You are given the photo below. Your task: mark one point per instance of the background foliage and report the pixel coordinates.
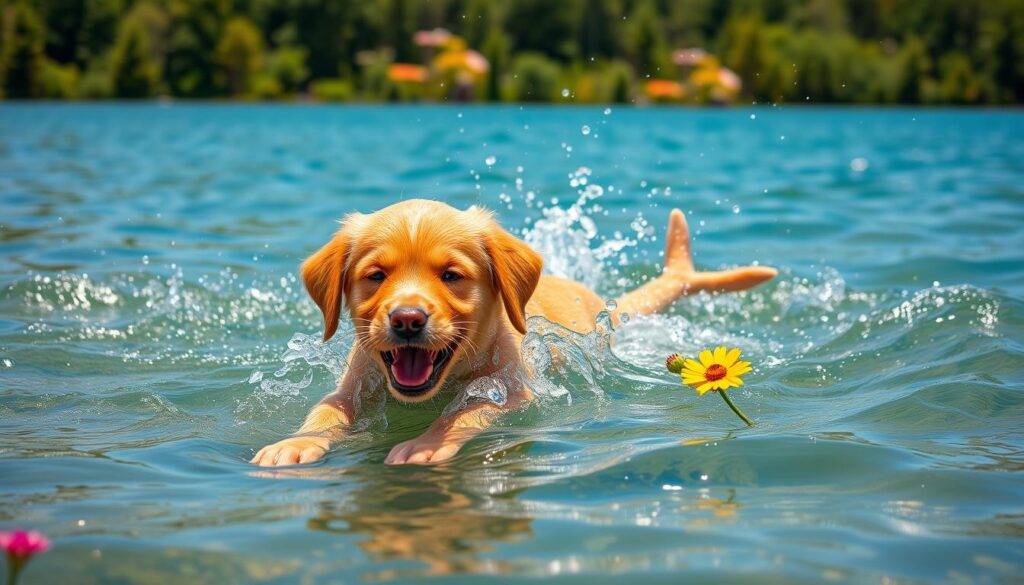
(863, 51)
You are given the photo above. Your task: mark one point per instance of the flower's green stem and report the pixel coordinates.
(738, 412)
(12, 570)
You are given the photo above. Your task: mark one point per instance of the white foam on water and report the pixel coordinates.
(167, 318)
(289, 383)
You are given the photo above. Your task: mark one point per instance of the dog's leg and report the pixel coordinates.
(447, 435)
(325, 423)
(679, 278)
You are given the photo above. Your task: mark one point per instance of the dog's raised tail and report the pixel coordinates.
(679, 278)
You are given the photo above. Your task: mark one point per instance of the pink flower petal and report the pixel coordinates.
(23, 544)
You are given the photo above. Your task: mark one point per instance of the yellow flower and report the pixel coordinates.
(715, 371)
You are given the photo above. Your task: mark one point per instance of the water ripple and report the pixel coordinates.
(153, 332)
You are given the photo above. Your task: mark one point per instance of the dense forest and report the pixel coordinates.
(822, 51)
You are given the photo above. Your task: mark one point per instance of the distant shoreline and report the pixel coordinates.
(506, 105)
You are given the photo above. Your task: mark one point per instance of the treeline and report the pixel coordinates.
(857, 51)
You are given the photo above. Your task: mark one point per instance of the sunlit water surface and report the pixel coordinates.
(153, 334)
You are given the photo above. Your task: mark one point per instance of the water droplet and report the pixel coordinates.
(607, 111)
(565, 92)
(753, 116)
(585, 130)
(859, 165)
(624, 317)
(491, 160)
(611, 305)
(496, 396)
(735, 208)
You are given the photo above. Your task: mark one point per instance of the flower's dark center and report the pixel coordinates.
(715, 372)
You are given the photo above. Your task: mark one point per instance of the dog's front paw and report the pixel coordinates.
(423, 450)
(292, 451)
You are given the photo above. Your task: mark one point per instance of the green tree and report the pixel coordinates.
(63, 20)
(481, 18)
(95, 82)
(191, 69)
(482, 29)
(776, 79)
(98, 29)
(288, 66)
(133, 72)
(618, 82)
(495, 49)
(910, 51)
(374, 80)
(916, 68)
(689, 23)
(882, 77)
(59, 81)
(1002, 54)
(743, 48)
(959, 83)
(544, 27)
(331, 31)
(21, 51)
(646, 41)
(813, 66)
(79, 30)
(240, 53)
(534, 78)
(400, 29)
(825, 16)
(331, 90)
(600, 29)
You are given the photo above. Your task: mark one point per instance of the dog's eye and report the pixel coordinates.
(450, 276)
(377, 276)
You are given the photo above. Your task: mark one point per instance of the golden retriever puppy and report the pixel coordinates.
(431, 289)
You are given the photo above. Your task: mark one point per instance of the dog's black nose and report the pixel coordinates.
(407, 322)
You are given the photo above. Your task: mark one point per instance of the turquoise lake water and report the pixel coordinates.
(153, 335)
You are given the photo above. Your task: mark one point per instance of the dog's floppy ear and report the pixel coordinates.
(324, 275)
(516, 271)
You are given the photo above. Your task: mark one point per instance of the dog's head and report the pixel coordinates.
(425, 285)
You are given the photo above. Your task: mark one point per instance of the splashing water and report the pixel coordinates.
(565, 237)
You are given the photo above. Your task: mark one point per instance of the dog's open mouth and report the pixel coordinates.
(415, 370)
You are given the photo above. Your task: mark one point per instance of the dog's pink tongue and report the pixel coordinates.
(412, 366)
